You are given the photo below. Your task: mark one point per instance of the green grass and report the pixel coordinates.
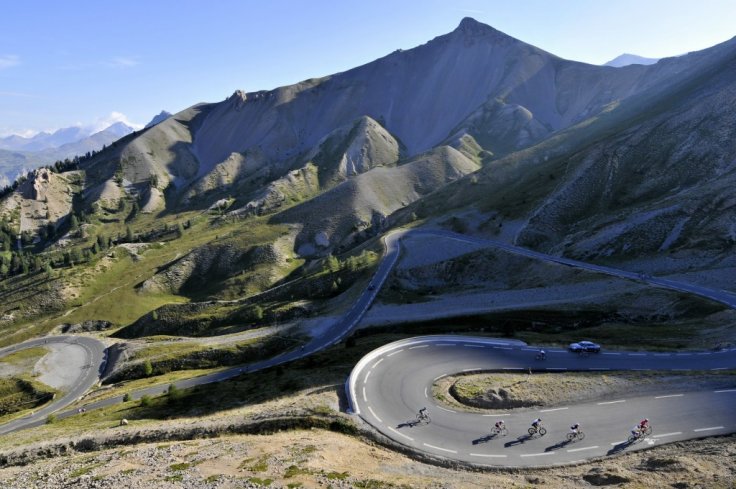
(294, 470)
(85, 470)
(102, 292)
(180, 466)
(29, 356)
(260, 482)
(255, 465)
(337, 475)
(19, 394)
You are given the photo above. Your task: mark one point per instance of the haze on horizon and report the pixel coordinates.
(96, 63)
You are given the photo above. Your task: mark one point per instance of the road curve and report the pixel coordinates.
(345, 325)
(389, 385)
(335, 333)
(94, 351)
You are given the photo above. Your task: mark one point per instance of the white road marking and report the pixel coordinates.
(438, 378)
(501, 348)
(611, 402)
(495, 415)
(440, 448)
(529, 349)
(446, 344)
(572, 450)
(365, 399)
(618, 442)
(472, 369)
(374, 414)
(667, 434)
(725, 390)
(709, 429)
(637, 354)
(425, 393)
(720, 368)
(401, 434)
(537, 454)
(418, 346)
(488, 455)
(376, 364)
(395, 352)
(667, 397)
(552, 410)
(608, 353)
(448, 410)
(365, 381)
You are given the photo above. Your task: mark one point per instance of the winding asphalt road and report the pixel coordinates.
(389, 385)
(388, 403)
(89, 375)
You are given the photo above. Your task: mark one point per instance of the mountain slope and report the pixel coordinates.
(647, 177)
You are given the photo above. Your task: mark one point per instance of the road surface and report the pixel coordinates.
(389, 385)
(92, 366)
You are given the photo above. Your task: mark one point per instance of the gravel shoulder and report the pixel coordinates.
(62, 367)
(317, 458)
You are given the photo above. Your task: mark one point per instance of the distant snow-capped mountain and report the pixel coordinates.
(627, 59)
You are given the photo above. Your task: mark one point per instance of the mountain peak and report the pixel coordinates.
(472, 27)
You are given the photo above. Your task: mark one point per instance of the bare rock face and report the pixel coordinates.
(238, 99)
(357, 207)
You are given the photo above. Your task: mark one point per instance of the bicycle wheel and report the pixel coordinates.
(426, 419)
(570, 436)
(648, 430)
(542, 431)
(581, 435)
(532, 431)
(632, 438)
(504, 432)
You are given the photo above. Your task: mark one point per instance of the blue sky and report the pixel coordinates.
(92, 62)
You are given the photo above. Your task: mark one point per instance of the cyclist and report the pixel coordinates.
(636, 431)
(575, 428)
(542, 354)
(423, 412)
(643, 424)
(500, 425)
(537, 423)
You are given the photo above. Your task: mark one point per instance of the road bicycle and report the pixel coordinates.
(503, 431)
(540, 356)
(575, 436)
(640, 434)
(423, 418)
(541, 430)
